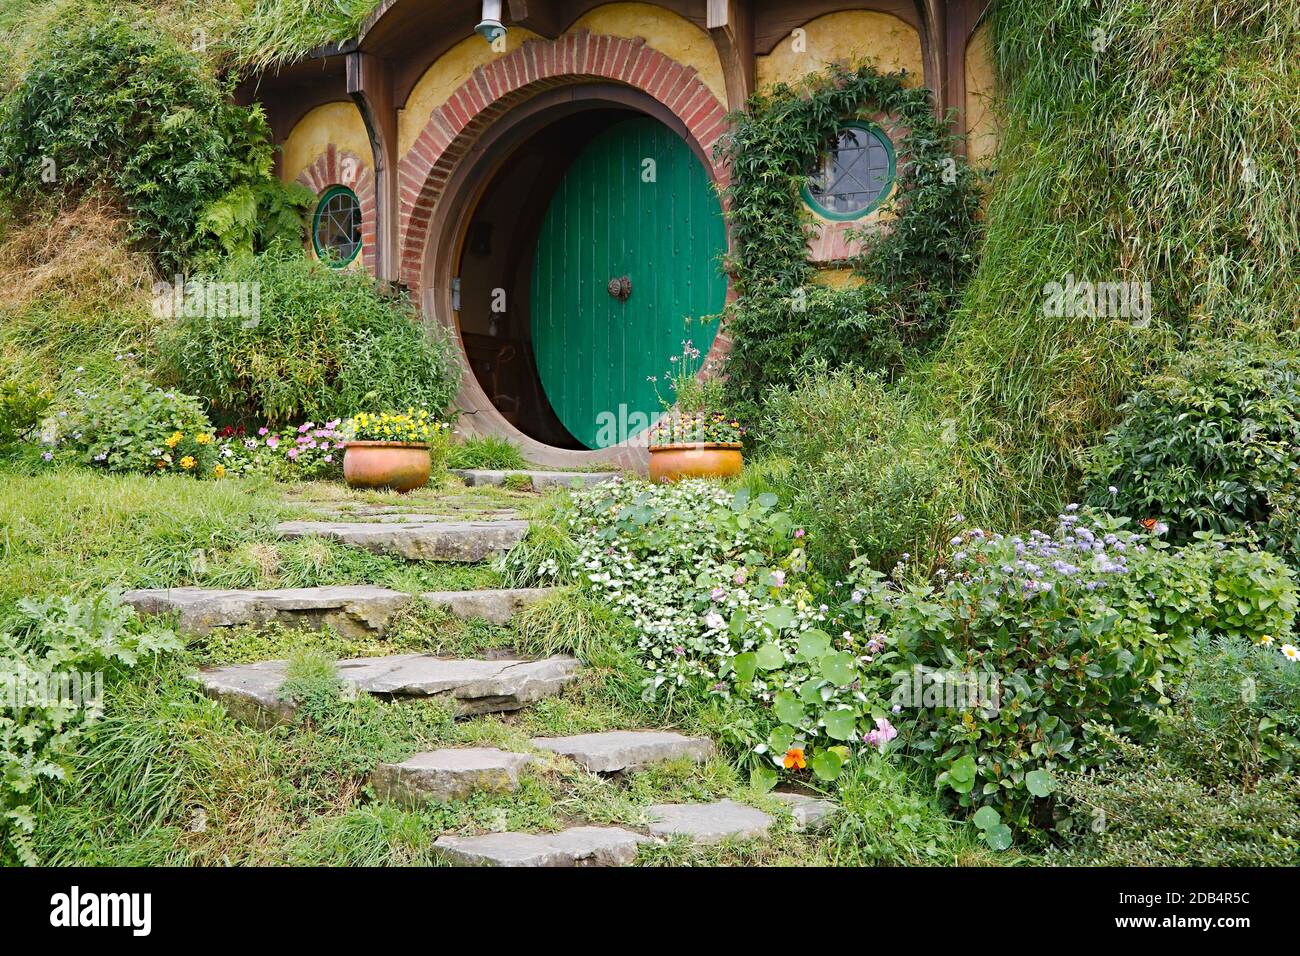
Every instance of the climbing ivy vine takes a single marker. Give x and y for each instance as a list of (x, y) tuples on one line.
[(913, 271)]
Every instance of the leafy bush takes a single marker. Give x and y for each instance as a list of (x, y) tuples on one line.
[(137, 427), (863, 473), (114, 100), (23, 400), (326, 342), (1213, 444), (41, 646), (1146, 809), (486, 451)]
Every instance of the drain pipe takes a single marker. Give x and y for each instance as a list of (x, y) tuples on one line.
[(490, 27)]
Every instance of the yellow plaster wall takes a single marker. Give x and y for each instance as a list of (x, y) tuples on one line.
[(337, 123), (444, 77), (668, 32), (838, 278), (847, 36), (981, 121)]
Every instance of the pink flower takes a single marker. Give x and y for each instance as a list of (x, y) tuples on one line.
[(306, 426), (883, 734), (293, 453), (798, 532), (740, 577), (273, 441), (329, 458), (262, 430), (778, 579)]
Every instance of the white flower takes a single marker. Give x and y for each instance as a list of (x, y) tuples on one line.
[(1290, 652), (713, 620)]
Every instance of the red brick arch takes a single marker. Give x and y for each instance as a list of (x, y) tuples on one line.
[(339, 167), (493, 89)]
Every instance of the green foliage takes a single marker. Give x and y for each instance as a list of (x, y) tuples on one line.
[(865, 473), (326, 342), (112, 100), (138, 427), (914, 270), (1213, 444), (1146, 809), (23, 400), (487, 451), (42, 645), (544, 557)]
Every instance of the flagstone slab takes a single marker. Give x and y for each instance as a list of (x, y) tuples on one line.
[(577, 846), (442, 776), (541, 480), (620, 750), (810, 813), (466, 541), (708, 823), (497, 605), (354, 610), (471, 686)]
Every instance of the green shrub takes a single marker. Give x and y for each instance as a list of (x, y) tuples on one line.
[(1146, 809), (40, 643), (325, 343), (23, 400), (487, 451), (113, 100), (864, 474), (1213, 444), (138, 427)]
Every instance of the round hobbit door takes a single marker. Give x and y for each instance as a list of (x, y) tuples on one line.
[(629, 259)]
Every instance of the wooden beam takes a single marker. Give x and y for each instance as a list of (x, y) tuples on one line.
[(371, 87), (731, 25), (934, 50)]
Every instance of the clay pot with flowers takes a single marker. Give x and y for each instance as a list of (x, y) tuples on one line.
[(694, 438), (397, 451)]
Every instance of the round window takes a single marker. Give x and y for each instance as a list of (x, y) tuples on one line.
[(336, 228), (854, 175)]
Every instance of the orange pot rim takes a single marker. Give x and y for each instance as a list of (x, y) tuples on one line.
[(705, 445), (385, 444)]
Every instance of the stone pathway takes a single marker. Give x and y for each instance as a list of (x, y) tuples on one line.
[(541, 480), (352, 610), (466, 541), (442, 776), (708, 823), (577, 846), (252, 691), (626, 750)]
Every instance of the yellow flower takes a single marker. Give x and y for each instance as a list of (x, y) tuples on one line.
[(203, 439), (187, 462), (219, 471), (1266, 639), (174, 440)]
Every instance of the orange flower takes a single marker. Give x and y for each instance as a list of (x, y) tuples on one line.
[(1147, 523), (794, 759)]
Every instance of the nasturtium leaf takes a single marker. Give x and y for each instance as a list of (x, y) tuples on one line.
[(781, 616), (963, 768), (788, 708), (780, 740), (763, 778), (837, 668), (840, 724), (811, 692), (827, 764), (986, 817), (770, 657), (998, 837), (767, 500), (746, 666), (1039, 782), (813, 644)]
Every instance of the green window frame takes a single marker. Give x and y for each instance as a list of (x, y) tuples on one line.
[(337, 216), (876, 157)]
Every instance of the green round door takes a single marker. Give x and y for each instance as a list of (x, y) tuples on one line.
[(628, 259)]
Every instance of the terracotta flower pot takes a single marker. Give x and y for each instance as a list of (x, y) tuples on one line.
[(386, 464), (695, 460)]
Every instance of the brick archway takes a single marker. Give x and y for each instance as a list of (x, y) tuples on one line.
[(493, 89), (339, 167)]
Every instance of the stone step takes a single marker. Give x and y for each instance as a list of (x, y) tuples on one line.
[(577, 846), (618, 750), (708, 823), (810, 813), (441, 776), (252, 691), (497, 605), (542, 480), (353, 610), (467, 541)]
